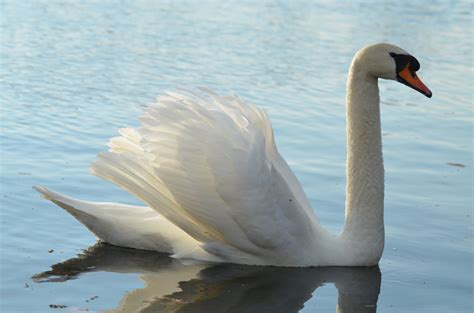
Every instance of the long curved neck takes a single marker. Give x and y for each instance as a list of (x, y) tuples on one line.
[(365, 171)]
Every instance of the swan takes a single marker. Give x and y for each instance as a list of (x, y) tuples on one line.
[(218, 190)]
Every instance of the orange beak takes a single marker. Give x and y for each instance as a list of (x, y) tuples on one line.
[(409, 78)]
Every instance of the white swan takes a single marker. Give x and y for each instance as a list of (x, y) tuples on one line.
[(218, 190)]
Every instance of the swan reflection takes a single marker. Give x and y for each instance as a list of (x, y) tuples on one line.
[(172, 286)]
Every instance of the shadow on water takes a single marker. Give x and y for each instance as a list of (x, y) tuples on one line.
[(171, 286)]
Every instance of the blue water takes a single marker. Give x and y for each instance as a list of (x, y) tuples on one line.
[(73, 72)]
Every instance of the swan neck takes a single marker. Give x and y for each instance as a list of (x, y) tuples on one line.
[(365, 171)]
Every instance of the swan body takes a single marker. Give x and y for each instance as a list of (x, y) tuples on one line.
[(218, 190)]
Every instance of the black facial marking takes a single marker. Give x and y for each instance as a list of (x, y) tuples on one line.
[(401, 60)]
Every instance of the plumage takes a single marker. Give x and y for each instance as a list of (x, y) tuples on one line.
[(217, 188)]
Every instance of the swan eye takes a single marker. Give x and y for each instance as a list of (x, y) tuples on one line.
[(412, 71), (404, 60)]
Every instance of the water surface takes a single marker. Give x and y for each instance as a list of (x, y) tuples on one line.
[(71, 73)]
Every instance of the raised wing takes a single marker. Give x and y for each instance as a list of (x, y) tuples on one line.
[(209, 164)]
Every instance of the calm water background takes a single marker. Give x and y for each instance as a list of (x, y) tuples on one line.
[(73, 72)]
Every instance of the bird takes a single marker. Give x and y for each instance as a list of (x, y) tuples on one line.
[(217, 189)]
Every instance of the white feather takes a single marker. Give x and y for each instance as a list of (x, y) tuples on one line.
[(209, 164), (218, 190)]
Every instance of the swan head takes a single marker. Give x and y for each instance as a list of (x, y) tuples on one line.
[(391, 62)]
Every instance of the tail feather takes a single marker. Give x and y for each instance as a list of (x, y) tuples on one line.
[(72, 206), (124, 225)]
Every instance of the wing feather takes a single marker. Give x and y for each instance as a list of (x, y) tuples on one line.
[(209, 164)]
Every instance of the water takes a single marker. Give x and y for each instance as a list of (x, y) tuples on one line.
[(71, 73)]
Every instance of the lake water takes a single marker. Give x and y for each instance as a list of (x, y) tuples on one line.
[(72, 72)]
